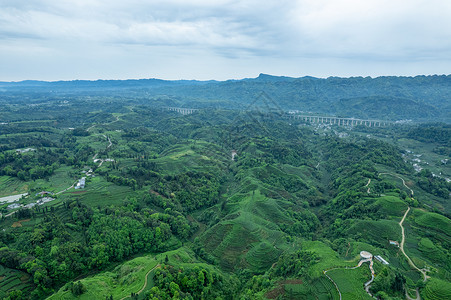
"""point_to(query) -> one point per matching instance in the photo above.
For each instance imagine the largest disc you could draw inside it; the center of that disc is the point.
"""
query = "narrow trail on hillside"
(107, 123)
(57, 193)
(403, 239)
(109, 141)
(145, 282)
(402, 179)
(417, 294)
(67, 188)
(336, 286)
(367, 185)
(422, 271)
(367, 285)
(101, 161)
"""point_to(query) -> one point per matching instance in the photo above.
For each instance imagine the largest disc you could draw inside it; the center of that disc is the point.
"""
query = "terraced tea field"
(350, 282)
(437, 289)
(120, 282)
(14, 280)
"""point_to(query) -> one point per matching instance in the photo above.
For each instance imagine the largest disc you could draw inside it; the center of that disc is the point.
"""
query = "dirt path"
(367, 284)
(349, 247)
(92, 126)
(367, 184)
(12, 213)
(107, 123)
(67, 188)
(145, 282)
(422, 271)
(336, 286)
(110, 143)
(410, 298)
(403, 182)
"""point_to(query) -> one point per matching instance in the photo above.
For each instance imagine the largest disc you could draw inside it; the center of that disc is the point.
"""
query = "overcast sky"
(222, 39)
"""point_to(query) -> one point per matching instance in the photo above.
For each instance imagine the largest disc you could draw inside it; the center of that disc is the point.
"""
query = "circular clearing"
(365, 255)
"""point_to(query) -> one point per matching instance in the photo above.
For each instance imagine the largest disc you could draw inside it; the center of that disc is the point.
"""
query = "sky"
(222, 39)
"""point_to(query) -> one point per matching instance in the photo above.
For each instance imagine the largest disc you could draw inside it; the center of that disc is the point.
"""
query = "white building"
(366, 255)
(81, 183)
(379, 258)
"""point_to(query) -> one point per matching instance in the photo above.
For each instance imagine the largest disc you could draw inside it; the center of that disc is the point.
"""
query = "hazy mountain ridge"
(427, 96)
(391, 107)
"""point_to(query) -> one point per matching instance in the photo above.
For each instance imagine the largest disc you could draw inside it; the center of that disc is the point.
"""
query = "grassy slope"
(437, 289)
(130, 276)
(99, 192)
(350, 282)
(433, 221)
(123, 280)
(248, 236)
(12, 186)
(391, 205)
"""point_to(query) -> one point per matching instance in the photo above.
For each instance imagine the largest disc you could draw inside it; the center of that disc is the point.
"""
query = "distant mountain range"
(420, 98)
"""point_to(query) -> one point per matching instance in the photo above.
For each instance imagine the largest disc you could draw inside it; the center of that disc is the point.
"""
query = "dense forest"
(120, 198)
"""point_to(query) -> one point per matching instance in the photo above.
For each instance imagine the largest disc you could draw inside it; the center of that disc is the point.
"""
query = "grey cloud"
(230, 24)
(297, 36)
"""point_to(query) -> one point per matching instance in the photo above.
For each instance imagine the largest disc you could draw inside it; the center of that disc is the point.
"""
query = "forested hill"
(420, 98)
(115, 200)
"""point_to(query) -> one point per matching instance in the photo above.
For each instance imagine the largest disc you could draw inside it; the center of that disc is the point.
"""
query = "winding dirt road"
(422, 271)
(336, 286)
(367, 284)
(67, 188)
(145, 282)
(402, 179)
(367, 185)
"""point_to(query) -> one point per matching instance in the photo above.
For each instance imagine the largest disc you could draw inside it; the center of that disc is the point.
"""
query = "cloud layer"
(43, 39)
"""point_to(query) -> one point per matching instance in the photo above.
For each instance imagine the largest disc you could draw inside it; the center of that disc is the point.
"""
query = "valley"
(217, 203)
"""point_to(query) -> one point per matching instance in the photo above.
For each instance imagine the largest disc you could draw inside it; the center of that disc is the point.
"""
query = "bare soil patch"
(280, 290)
(19, 223)
(78, 192)
(275, 293)
(156, 193)
(291, 281)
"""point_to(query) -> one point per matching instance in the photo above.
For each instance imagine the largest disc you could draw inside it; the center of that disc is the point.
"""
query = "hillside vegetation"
(215, 204)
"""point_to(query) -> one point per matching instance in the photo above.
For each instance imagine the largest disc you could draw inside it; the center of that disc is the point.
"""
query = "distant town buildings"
(13, 206)
(30, 205)
(44, 200)
(44, 193)
(40, 201)
(20, 151)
